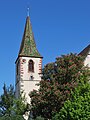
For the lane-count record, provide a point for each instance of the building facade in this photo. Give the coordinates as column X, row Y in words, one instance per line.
column 86, row 54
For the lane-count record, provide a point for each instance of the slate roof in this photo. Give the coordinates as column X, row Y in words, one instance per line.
column 85, row 51
column 28, row 46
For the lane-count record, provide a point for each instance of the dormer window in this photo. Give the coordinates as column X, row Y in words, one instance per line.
column 31, row 66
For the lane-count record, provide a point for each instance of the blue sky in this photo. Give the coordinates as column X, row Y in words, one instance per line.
column 59, row 26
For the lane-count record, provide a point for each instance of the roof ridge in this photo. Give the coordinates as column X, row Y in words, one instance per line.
column 85, row 51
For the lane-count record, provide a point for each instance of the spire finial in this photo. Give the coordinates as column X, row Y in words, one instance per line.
column 28, row 11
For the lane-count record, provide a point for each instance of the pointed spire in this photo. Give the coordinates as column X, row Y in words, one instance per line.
column 28, row 46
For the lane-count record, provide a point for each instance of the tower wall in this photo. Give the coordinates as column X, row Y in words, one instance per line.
column 24, row 72
column 25, row 80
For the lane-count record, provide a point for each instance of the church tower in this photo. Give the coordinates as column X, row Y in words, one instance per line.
column 28, row 63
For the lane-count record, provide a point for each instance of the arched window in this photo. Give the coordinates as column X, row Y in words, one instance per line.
column 31, row 66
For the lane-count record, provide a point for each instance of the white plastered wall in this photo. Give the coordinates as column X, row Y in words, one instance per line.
column 87, row 60
column 25, row 83
column 24, row 66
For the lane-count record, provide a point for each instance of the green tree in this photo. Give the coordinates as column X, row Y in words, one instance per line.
column 10, row 106
column 78, row 107
column 59, row 78
column 65, row 69
column 6, row 100
column 16, row 117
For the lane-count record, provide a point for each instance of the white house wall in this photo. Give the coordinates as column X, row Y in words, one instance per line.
column 87, row 61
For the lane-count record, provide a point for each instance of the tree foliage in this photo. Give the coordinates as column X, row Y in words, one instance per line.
column 10, row 106
column 13, row 117
column 65, row 69
column 6, row 100
column 78, row 107
column 59, row 78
